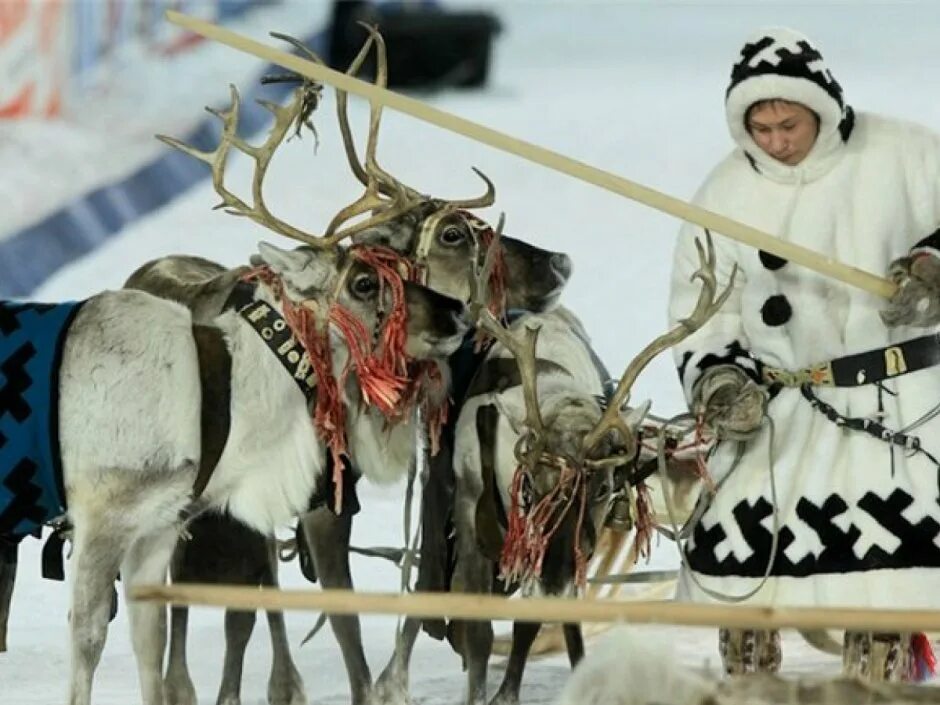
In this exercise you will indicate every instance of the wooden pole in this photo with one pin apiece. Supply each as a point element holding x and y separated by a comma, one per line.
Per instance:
<point>539,155</point>
<point>466,606</point>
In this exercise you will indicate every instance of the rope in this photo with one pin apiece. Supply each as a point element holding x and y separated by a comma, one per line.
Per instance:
<point>670,510</point>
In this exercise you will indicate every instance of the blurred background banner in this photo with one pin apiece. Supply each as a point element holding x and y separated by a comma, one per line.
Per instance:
<point>87,83</point>
<point>35,36</point>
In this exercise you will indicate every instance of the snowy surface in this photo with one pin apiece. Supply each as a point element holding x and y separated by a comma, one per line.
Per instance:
<point>635,88</point>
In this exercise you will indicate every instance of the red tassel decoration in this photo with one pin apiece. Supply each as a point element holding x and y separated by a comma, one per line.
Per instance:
<point>925,660</point>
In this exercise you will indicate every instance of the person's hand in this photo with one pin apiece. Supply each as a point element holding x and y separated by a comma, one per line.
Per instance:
<point>731,403</point>
<point>917,299</point>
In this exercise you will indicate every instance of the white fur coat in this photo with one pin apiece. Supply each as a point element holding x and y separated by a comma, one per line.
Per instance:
<point>860,520</point>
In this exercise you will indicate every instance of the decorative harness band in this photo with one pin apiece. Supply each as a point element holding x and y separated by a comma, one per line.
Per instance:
<point>862,368</point>
<point>270,325</point>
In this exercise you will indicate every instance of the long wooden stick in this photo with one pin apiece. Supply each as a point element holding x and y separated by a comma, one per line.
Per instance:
<point>464,606</point>
<point>534,153</point>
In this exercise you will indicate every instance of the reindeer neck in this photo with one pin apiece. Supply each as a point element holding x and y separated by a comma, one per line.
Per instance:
<point>380,450</point>
<point>259,309</point>
<point>273,456</point>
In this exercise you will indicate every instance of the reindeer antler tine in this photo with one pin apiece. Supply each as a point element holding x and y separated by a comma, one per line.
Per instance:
<point>261,155</point>
<point>524,353</point>
<point>376,181</point>
<point>479,298</point>
<point>487,199</point>
<point>706,306</point>
<point>186,149</point>
<point>297,44</point>
<point>342,102</point>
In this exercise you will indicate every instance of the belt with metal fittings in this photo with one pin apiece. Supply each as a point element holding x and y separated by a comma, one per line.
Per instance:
<point>862,368</point>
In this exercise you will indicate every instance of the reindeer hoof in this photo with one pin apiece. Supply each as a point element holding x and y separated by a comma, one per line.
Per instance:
<point>390,691</point>
<point>179,694</point>
<point>287,690</point>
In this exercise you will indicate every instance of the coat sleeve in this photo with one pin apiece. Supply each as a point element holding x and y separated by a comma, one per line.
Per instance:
<point>721,340</point>
<point>921,155</point>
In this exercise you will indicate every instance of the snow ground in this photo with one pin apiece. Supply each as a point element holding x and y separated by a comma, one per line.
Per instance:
<point>633,87</point>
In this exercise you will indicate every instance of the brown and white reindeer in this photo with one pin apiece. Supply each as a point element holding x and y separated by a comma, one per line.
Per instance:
<point>539,459</point>
<point>223,551</point>
<point>137,422</point>
<point>161,418</point>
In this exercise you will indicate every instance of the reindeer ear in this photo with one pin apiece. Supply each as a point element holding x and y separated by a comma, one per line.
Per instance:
<point>281,261</point>
<point>307,271</point>
<point>634,417</point>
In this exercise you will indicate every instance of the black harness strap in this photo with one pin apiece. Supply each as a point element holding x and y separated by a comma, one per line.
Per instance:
<point>490,515</point>
<point>215,377</point>
<point>869,426</point>
<point>270,325</point>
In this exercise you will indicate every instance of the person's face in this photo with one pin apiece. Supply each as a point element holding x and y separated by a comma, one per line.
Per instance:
<point>786,131</point>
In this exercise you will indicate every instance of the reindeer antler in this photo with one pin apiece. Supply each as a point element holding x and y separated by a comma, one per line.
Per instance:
<point>284,116</point>
<point>480,289</point>
<point>706,306</point>
<point>524,353</point>
<point>261,154</point>
<point>387,184</point>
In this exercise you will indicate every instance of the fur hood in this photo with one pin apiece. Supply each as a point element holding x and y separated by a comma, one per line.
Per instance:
<point>782,63</point>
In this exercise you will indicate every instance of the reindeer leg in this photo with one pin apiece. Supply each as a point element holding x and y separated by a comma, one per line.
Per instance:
<point>285,686</point>
<point>328,538</point>
<point>178,686</point>
<point>437,497</point>
<point>392,684</point>
<point>147,562</point>
<point>523,634</point>
<point>7,580</point>
<point>96,558</point>
<point>238,627</point>
<point>574,642</point>
<point>472,574</point>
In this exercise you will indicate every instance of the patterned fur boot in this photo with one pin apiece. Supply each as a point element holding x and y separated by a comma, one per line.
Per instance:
<point>877,657</point>
<point>750,650</point>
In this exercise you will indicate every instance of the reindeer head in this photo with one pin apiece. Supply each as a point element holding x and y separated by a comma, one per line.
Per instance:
<point>566,492</point>
<point>449,245</point>
<point>357,281</point>
<point>574,456</point>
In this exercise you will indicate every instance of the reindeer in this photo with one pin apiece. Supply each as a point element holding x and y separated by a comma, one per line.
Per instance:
<point>142,427</point>
<point>544,451</point>
<point>451,241</point>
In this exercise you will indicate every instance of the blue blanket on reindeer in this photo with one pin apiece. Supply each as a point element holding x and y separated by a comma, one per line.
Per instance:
<point>31,489</point>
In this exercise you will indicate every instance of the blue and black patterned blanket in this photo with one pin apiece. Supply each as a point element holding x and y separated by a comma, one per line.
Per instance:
<point>31,491</point>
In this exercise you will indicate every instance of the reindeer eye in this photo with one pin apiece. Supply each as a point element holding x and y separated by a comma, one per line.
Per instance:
<point>452,235</point>
<point>364,285</point>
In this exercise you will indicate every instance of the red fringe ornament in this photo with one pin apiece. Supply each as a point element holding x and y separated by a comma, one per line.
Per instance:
<point>531,529</point>
<point>924,663</point>
<point>645,522</point>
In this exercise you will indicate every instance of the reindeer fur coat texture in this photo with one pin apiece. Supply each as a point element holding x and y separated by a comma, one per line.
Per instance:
<point>162,440</point>
<point>859,520</point>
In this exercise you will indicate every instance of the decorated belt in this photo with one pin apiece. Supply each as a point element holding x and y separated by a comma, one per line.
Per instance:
<point>862,368</point>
